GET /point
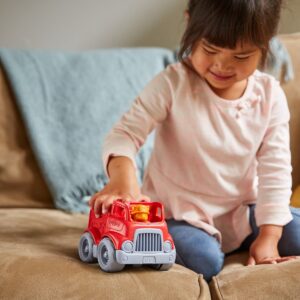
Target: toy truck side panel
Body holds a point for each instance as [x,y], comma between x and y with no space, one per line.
[138,232]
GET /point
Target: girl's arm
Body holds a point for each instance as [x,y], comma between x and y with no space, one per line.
[123,184]
[274,181]
[148,110]
[120,167]
[274,164]
[271,230]
[125,139]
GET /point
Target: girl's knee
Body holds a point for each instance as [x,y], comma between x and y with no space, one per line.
[209,264]
[289,243]
[207,261]
[196,249]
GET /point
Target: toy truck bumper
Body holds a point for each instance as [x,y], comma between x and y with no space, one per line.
[125,258]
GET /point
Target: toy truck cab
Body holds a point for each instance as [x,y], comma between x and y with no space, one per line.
[129,233]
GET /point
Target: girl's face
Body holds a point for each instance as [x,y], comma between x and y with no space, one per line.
[225,69]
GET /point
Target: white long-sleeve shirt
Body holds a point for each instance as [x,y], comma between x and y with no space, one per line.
[212,156]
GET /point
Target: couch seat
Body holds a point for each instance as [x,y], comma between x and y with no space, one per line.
[261,282]
[39,260]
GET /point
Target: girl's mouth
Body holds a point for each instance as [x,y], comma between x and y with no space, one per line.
[221,77]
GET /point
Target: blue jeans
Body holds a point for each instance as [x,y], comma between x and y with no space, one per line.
[201,252]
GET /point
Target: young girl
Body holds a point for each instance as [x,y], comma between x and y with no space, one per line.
[221,161]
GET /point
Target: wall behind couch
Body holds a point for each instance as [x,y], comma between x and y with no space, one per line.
[88,24]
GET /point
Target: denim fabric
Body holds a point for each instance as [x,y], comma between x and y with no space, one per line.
[196,249]
[289,243]
[201,252]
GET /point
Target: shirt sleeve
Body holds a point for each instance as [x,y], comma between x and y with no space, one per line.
[274,165]
[150,108]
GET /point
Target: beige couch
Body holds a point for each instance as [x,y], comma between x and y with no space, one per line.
[38,244]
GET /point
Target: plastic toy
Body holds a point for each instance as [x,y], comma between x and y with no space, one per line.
[129,233]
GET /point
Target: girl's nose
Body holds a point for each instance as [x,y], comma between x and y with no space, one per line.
[223,63]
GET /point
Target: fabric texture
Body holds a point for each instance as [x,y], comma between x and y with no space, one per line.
[295,200]
[39,260]
[259,282]
[196,249]
[200,252]
[211,156]
[21,182]
[289,243]
[278,62]
[38,246]
[69,101]
[292,90]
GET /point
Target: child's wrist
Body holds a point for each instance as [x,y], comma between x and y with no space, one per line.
[273,232]
[121,166]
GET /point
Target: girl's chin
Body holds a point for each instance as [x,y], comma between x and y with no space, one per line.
[219,85]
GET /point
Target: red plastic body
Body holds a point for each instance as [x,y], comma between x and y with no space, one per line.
[118,224]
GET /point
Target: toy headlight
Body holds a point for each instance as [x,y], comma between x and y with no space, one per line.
[127,246]
[167,246]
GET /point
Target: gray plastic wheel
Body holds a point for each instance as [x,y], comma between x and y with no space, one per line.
[85,248]
[106,255]
[162,267]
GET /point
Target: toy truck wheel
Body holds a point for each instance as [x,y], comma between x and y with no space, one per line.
[106,255]
[85,248]
[162,267]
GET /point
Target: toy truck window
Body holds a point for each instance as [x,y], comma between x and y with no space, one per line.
[119,211]
[158,214]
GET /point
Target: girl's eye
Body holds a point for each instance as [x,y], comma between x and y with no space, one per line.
[242,57]
[209,51]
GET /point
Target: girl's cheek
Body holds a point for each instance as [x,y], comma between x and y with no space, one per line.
[203,62]
[200,67]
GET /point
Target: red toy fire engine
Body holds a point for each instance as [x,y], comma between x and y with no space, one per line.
[129,233]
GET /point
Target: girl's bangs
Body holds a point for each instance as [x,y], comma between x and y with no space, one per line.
[232,29]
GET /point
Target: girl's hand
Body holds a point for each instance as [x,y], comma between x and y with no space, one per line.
[264,251]
[116,189]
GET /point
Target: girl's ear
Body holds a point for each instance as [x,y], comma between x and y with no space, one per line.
[186,16]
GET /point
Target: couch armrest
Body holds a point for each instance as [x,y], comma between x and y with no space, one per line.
[292,90]
[21,182]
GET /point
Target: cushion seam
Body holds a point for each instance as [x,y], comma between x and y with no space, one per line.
[218,287]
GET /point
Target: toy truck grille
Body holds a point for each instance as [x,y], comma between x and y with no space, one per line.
[148,241]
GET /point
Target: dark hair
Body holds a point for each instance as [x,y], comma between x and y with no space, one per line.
[226,22]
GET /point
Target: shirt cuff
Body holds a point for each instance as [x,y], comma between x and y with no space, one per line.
[272,214]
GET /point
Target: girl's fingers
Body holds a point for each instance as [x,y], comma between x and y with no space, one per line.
[127,198]
[275,260]
[101,203]
[144,198]
[268,260]
[251,261]
[97,206]
[107,203]
[286,258]
[94,198]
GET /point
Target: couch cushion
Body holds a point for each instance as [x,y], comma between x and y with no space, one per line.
[292,90]
[39,260]
[21,183]
[265,282]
